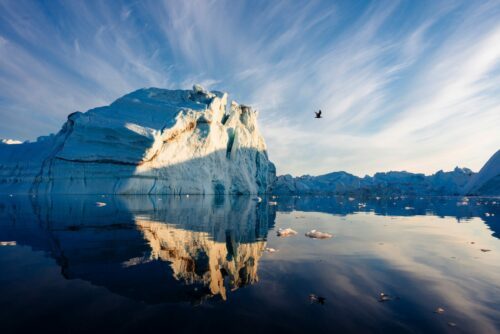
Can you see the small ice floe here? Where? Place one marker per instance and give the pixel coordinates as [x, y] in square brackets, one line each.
[270, 250]
[136, 261]
[273, 203]
[274, 196]
[10, 195]
[8, 243]
[484, 250]
[351, 199]
[315, 299]
[361, 205]
[257, 199]
[100, 204]
[439, 310]
[463, 202]
[318, 235]
[187, 195]
[377, 198]
[487, 214]
[286, 232]
[452, 324]
[384, 298]
[409, 208]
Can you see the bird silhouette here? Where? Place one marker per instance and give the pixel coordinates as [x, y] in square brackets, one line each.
[318, 114]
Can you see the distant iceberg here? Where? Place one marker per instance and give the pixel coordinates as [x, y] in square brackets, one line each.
[460, 181]
[151, 141]
[380, 184]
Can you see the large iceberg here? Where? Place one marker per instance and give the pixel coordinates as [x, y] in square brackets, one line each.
[487, 181]
[151, 141]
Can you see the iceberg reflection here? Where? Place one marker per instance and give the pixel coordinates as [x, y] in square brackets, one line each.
[154, 249]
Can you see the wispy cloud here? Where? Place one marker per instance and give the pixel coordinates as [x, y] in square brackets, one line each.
[403, 85]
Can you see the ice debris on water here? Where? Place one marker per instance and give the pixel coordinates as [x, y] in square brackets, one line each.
[384, 297]
[286, 232]
[100, 204]
[315, 299]
[8, 243]
[314, 234]
[439, 310]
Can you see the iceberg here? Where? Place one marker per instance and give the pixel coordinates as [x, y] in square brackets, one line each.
[151, 141]
[392, 183]
[487, 181]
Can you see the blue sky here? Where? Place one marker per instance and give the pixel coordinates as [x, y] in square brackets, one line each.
[403, 85]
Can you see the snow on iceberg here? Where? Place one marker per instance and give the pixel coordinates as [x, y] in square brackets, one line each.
[151, 141]
[10, 142]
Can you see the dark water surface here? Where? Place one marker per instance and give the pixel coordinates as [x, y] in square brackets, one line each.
[202, 264]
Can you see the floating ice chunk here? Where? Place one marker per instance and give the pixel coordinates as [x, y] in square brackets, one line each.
[286, 232]
[135, 261]
[409, 208]
[384, 298]
[100, 204]
[318, 235]
[439, 310]
[8, 243]
[315, 299]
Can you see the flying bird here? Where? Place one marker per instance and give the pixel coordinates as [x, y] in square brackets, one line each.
[318, 114]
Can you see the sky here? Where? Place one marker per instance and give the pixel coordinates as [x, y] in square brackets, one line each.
[403, 85]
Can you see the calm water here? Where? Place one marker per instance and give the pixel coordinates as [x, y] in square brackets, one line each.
[193, 264]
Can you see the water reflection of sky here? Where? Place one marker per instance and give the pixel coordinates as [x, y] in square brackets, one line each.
[144, 256]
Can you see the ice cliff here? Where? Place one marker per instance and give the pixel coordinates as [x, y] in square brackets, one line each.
[151, 141]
